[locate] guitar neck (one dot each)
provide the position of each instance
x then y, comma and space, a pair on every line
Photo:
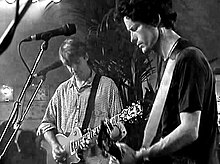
95, 131
125, 115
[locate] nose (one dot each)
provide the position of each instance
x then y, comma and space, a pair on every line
133, 37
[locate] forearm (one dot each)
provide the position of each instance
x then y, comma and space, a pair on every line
50, 137
169, 144
183, 135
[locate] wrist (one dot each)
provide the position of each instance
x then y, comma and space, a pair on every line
142, 154
116, 133
139, 155
54, 143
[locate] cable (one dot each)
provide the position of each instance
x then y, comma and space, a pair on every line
22, 59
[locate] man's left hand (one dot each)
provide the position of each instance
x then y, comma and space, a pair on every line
128, 154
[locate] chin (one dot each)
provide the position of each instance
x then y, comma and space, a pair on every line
144, 50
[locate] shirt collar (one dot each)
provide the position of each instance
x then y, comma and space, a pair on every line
87, 83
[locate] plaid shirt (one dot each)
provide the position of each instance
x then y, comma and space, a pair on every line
67, 106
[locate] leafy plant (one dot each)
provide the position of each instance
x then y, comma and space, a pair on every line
113, 55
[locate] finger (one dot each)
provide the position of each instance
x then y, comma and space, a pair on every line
123, 145
60, 160
58, 151
83, 146
64, 159
58, 157
58, 154
87, 142
63, 148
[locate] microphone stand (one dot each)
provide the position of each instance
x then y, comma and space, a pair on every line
28, 82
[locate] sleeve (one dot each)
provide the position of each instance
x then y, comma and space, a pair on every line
192, 76
116, 108
49, 119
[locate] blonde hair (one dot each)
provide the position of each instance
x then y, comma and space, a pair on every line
70, 49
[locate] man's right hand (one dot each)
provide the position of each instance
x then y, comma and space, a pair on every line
58, 152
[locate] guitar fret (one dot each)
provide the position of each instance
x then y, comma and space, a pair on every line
92, 134
121, 117
86, 135
117, 118
89, 135
97, 129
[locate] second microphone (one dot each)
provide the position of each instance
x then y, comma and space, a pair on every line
53, 66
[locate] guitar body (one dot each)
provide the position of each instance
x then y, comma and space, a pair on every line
65, 142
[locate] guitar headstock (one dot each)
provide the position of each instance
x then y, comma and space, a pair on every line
131, 112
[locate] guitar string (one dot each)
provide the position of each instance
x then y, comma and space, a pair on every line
116, 118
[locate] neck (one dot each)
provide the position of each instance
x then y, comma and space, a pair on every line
166, 42
84, 76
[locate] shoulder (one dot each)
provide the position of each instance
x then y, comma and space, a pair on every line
64, 85
107, 83
188, 51
193, 56
106, 80
192, 60
191, 52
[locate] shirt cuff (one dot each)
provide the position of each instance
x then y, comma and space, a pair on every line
44, 127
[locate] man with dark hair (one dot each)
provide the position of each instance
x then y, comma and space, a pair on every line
70, 103
188, 118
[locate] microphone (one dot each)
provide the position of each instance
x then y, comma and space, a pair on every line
66, 30
44, 71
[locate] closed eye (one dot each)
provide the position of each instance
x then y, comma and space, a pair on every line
134, 28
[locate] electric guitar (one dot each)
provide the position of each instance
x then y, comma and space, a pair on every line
75, 141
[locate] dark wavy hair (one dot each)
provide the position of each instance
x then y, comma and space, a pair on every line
147, 11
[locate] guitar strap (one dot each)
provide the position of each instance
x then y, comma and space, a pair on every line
158, 105
91, 102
